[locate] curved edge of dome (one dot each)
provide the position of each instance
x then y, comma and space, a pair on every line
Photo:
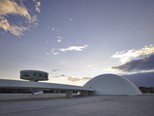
111, 84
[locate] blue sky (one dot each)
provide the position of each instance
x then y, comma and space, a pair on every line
74, 39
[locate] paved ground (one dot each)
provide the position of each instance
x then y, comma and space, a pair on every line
21, 96
81, 106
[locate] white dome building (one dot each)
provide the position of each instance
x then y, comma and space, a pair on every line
111, 84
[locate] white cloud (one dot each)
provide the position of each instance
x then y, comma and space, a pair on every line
53, 29
64, 80
74, 79
126, 56
10, 7
33, 19
141, 60
37, 7
54, 51
73, 48
70, 19
14, 29
59, 36
59, 39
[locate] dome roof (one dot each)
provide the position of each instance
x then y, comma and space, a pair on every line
111, 84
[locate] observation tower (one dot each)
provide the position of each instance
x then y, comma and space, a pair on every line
33, 75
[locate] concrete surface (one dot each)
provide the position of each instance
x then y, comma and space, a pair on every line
81, 106
26, 96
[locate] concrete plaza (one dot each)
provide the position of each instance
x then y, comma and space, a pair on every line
81, 106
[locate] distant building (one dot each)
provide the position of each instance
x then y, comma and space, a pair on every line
147, 89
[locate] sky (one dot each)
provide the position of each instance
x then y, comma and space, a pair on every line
76, 40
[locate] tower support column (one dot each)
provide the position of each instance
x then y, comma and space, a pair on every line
69, 93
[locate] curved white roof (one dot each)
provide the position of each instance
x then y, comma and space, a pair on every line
39, 85
110, 84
